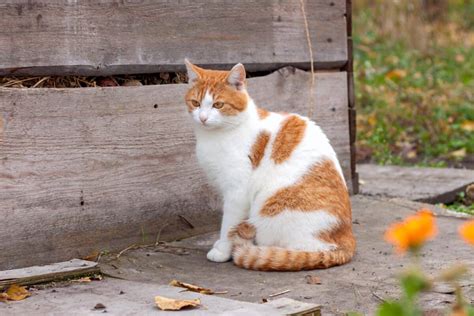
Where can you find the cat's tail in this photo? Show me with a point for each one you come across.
(249, 256)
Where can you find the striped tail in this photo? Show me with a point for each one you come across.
(246, 255)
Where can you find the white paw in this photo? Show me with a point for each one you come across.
(221, 252)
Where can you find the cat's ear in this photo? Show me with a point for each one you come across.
(236, 77)
(193, 71)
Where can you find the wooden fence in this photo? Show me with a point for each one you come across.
(93, 169)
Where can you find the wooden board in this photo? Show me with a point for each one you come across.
(53, 272)
(43, 37)
(91, 169)
(431, 185)
(290, 307)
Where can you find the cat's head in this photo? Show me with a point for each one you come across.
(216, 99)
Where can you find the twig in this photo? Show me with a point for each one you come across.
(221, 292)
(310, 47)
(157, 240)
(279, 293)
(378, 297)
(124, 250)
(39, 82)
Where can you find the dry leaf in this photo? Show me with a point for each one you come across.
(169, 304)
(3, 297)
(312, 279)
(396, 74)
(191, 287)
(92, 256)
(411, 154)
(132, 83)
(459, 154)
(468, 126)
(17, 293)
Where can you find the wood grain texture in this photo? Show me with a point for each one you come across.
(44, 37)
(53, 272)
(91, 169)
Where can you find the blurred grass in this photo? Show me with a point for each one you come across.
(414, 72)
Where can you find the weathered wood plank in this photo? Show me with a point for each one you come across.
(431, 185)
(290, 307)
(48, 273)
(43, 37)
(91, 169)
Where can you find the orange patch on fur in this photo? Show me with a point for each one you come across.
(289, 136)
(321, 188)
(262, 113)
(246, 230)
(215, 81)
(258, 148)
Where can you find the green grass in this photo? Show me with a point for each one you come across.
(460, 205)
(415, 104)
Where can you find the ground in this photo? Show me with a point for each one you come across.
(414, 77)
(357, 286)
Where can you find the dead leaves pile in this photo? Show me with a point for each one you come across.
(14, 293)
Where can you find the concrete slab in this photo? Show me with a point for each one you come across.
(432, 185)
(353, 287)
(357, 286)
(121, 297)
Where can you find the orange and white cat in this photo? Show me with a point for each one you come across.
(286, 205)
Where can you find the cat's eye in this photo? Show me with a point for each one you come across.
(195, 103)
(218, 105)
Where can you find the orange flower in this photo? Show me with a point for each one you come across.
(467, 232)
(412, 232)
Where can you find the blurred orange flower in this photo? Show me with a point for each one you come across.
(412, 232)
(467, 232)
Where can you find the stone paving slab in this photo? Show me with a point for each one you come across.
(357, 286)
(432, 185)
(352, 287)
(121, 297)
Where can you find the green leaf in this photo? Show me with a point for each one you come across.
(413, 283)
(390, 309)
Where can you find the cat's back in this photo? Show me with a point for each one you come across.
(290, 141)
(288, 149)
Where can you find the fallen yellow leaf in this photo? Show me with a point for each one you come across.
(459, 154)
(411, 154)
(396, 74)
(17, 293)
(169, 304)
(191, 287)
(468, 126)
(372, 120)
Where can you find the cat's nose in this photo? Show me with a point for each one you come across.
(203, 117)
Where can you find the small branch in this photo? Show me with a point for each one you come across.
(124, 250)
(279, 293)
(378, 297)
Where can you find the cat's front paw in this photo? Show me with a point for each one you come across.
(221, 252)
